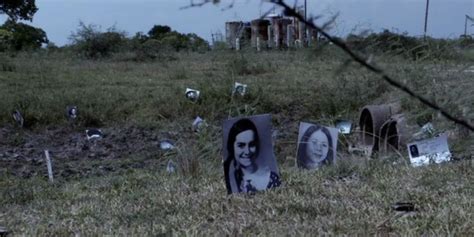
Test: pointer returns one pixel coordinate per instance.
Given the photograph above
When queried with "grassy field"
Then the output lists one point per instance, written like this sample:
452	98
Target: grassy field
119	185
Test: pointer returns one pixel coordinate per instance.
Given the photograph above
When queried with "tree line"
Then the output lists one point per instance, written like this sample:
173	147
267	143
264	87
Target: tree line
89	40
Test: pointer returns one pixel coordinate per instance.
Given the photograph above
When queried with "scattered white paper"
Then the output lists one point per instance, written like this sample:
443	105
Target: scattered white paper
166	145
94	134
170	167
198	124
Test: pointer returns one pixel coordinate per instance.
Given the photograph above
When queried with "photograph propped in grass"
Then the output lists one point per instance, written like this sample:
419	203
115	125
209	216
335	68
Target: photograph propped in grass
434	150
192	95
249	162
317	145
240	89
198	124
71	112
344	126
18	118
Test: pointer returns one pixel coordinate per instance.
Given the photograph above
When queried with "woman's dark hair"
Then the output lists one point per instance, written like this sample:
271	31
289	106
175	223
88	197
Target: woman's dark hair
302	158
238	127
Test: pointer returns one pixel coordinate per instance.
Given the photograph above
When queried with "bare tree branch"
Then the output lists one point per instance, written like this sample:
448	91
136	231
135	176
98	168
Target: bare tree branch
291	11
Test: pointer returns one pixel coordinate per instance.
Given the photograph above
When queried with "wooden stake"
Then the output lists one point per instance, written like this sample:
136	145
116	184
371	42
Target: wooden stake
50	167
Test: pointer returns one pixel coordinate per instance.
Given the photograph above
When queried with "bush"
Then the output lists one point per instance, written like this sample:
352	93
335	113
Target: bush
406	46
176	41
90	42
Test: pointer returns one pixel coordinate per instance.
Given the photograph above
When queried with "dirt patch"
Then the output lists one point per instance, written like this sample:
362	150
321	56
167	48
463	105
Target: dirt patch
22	151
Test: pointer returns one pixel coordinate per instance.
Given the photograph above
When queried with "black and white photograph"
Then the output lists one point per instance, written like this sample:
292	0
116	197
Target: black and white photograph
249	161
192	94
434	150
239	89
317	146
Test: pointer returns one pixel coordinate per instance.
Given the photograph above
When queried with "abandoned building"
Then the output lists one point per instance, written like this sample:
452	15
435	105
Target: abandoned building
271	32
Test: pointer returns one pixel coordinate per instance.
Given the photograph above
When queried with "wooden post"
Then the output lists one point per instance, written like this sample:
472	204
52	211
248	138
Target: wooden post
237	44
270	36
289	35
49	165
258	44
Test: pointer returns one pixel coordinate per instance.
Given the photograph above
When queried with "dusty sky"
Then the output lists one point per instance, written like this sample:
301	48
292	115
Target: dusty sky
60	17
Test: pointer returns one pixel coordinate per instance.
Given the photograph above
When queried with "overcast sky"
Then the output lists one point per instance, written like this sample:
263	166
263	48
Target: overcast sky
60	17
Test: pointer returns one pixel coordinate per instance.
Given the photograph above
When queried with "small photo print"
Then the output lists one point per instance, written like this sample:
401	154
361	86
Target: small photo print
249	161
434	150
317	146
344	126
240	89
192	95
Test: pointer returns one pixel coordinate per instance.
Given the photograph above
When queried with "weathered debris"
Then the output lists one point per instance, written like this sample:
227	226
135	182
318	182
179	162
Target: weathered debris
18	118
166	145
403	207
198	124
3	231
393	134
170	167
371	119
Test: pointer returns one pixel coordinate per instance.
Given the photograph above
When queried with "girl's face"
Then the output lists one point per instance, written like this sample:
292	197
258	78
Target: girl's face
245	148
317	147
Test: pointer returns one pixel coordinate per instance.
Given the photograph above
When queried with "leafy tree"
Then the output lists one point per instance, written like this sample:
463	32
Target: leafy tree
176	41
18	9
23	36
5	39
196	43
158	31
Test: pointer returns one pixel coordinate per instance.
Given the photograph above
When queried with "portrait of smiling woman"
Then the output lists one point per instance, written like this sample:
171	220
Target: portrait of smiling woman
249	163
316	146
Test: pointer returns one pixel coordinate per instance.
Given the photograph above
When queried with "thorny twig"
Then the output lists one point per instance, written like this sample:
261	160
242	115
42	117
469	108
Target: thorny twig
291	11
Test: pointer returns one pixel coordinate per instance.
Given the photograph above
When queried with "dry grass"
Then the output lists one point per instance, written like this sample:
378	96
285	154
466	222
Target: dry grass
353	197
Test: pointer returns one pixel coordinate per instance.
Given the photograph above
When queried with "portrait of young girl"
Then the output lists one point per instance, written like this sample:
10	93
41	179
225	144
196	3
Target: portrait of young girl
249	162
316	146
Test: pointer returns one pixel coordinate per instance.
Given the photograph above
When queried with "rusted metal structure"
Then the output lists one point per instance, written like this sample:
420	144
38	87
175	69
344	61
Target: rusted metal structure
273	32
280	27
232	32
259	30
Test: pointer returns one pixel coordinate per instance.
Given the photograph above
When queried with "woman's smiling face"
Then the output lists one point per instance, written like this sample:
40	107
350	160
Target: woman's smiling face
317	147
245	148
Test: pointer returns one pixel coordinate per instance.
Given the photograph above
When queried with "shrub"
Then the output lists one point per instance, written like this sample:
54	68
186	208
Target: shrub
90	42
